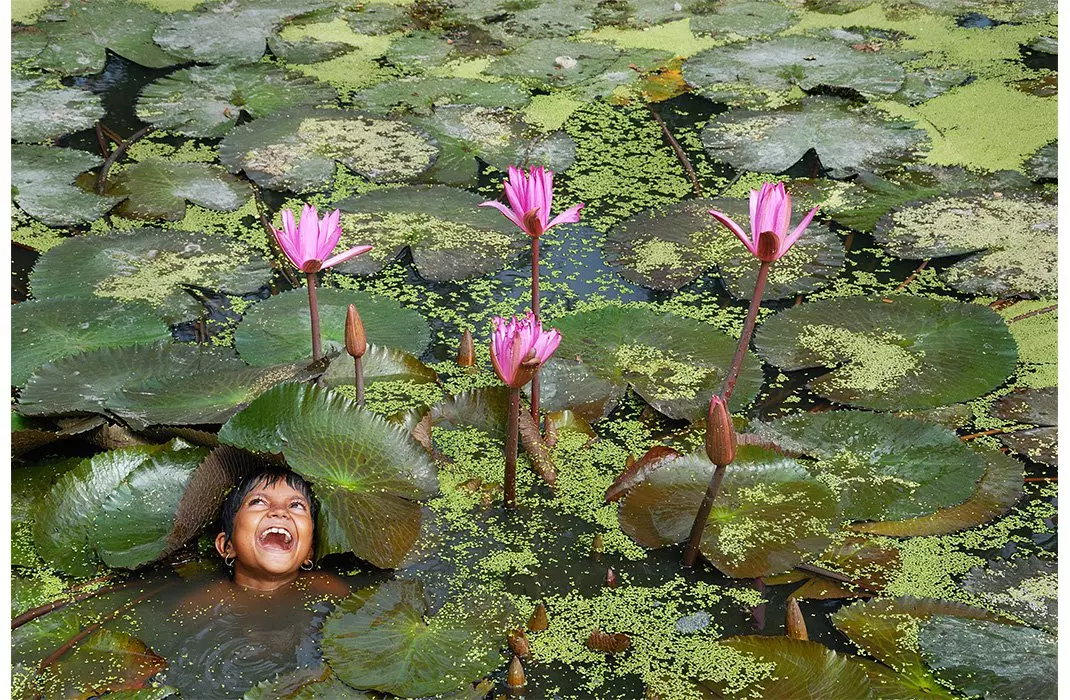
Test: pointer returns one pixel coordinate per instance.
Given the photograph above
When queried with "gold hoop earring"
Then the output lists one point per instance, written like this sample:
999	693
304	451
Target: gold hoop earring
310	565
229	561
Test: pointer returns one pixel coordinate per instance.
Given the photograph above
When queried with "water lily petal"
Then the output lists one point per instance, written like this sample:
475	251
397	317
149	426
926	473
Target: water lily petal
569	216
347	255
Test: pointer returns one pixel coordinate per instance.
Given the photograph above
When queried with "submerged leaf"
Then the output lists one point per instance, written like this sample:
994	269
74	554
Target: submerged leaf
105	663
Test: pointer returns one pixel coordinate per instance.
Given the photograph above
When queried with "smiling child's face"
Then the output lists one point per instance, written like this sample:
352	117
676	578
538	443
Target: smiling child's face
271	538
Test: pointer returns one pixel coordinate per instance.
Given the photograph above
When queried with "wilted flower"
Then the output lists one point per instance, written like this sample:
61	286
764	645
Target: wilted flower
519	346
307	245
770	213
530	196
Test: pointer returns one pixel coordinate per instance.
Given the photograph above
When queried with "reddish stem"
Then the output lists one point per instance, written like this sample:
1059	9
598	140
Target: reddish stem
512	433
748	331
691	551
535	310
358	371
314	315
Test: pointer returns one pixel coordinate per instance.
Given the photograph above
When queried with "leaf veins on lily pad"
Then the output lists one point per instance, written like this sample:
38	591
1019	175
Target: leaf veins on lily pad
297	150
42	180
896	354
1011	241
847	139
157	189
207	101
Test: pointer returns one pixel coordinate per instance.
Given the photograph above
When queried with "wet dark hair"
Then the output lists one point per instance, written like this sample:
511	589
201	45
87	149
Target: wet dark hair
267	477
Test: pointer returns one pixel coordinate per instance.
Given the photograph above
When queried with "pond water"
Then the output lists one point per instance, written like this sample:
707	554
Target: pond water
900	411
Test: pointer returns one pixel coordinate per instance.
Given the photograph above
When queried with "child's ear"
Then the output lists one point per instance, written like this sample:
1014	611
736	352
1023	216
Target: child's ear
222	546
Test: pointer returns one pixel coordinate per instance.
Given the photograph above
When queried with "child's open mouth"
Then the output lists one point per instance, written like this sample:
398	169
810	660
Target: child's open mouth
277	538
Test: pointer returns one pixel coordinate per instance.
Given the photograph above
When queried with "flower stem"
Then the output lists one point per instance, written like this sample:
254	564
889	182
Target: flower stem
358	372
314	314
691	551
535	310
512	433
748	331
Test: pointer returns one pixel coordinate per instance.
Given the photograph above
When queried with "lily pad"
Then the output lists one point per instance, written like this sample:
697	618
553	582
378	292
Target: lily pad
554	18
39	113
148	265
997	491
368	474
792	668
674	363
380	364
79	33
757	72
297	150
847	139
867	562
28	484
305	684
106	663
999	662
384	638
306	50
769	515
421	94
1024	588
1042	165
1041	408
739	18
228	32
895	354
449	235
881	466
41	183
276	330
158	189
46	330
207	101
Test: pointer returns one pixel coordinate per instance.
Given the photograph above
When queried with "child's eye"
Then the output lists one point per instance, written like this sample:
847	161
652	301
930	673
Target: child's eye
298	504
255	500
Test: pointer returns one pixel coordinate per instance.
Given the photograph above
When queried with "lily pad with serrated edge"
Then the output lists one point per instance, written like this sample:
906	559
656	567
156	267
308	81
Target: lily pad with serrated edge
847	139
148	265
1026	589
791	668
384	638
107	662
206	101
674	363
227	32
882	467
1012	241
1037	406
380	364
297	150
757	72
42	114
306	684
897	353
989	659
41	183
78	35
46	330
369	475
276	330
157	189
420	94
997	491
451	237
83	383
769	515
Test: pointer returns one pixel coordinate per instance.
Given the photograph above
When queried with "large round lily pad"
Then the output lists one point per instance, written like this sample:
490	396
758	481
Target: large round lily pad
768	516
158	189
674	363
52	328
1025	588
1012	241
1041	408
41	183
277	329
383	638
881	466
368	474
297	150
760	71
450	236
847	139
379	364
148	265
892	354
207	101
39	113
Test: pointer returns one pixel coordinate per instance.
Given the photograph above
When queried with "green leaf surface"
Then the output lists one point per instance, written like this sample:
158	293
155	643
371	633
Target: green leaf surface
1042	165
106	661
306	50
384	639
892	354
28	484
39	113
422	94
1041	408
41	183
737	18
42	331
674	363
276	330
304	684
379	364
157	189
1026	589
206	101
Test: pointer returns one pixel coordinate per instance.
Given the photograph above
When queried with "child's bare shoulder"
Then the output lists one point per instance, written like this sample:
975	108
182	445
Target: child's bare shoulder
325	583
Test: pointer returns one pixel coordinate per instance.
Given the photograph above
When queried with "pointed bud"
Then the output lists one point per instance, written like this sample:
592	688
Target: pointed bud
796	625
538	621
720	435
598	545
768	246
611	578
466	353
518	642
356	341
517	679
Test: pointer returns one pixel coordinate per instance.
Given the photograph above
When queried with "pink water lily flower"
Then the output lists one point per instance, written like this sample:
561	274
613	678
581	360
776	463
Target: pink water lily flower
530	196
519	346
770	212
307	245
